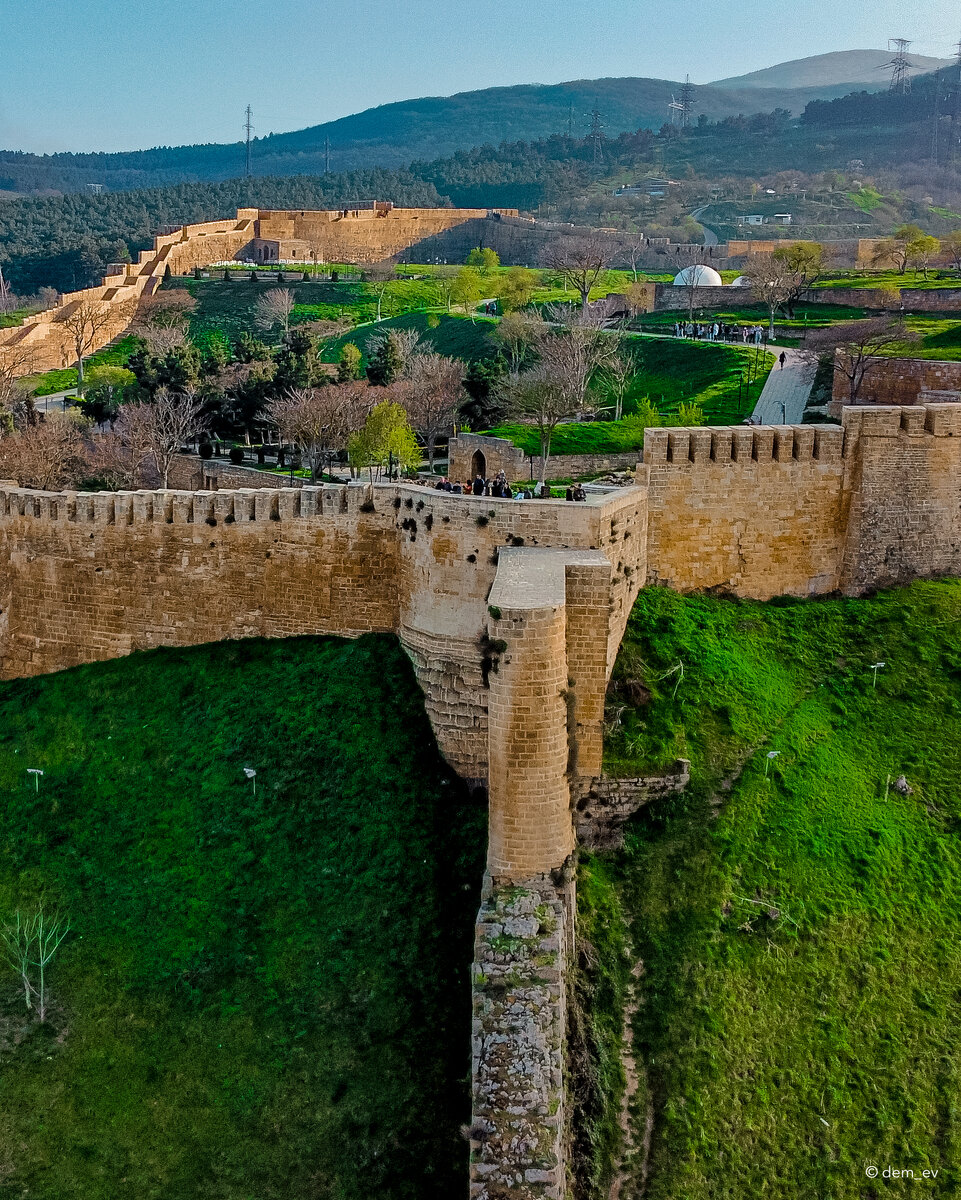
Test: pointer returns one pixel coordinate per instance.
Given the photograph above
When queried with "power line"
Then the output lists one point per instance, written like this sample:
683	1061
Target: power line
248	127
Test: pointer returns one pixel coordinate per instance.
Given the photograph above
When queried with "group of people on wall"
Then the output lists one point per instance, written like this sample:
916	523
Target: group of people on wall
498	488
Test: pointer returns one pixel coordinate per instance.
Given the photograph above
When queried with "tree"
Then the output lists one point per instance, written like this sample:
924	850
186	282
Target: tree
689	260
48	455
572	351
275	308
542	397
379	277
804	264
907	243
952	244
484	258
635	249
104	390
163	319
348	365
519	333
579	261
319	420
15	362
615	379
516	289
386	441
921	250
89	323
433	395
385	360
863	345
772	284
466	289
30	943
160	428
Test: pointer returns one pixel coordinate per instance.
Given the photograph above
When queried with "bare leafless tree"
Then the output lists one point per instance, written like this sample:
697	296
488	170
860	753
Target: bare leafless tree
379	276
579	260
685	261
862	344
275	308
615	375
574	347
90	322
163	319
48	455
520	332
544	399
772	284
434	392
15	363
320	420
155	431
634	251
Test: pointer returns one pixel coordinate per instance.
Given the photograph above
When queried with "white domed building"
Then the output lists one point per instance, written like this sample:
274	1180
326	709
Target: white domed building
698	276
741	281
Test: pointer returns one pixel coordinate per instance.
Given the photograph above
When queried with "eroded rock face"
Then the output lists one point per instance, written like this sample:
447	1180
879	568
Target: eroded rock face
517	1133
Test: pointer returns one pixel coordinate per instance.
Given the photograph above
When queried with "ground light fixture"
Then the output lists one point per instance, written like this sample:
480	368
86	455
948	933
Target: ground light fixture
252	776
36	773
875	667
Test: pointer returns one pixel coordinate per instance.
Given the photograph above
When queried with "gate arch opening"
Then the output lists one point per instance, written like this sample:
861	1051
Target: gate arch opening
478	465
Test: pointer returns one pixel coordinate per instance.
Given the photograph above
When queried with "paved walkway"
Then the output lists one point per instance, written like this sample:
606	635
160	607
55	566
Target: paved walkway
786	392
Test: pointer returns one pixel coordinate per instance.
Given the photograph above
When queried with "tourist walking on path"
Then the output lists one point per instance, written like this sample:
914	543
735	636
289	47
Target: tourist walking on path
782	359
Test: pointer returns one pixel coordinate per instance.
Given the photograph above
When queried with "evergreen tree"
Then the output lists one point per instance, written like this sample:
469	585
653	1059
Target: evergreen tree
386	363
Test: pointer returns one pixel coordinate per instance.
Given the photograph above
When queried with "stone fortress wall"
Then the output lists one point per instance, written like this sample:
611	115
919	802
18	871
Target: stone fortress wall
512	613
362	235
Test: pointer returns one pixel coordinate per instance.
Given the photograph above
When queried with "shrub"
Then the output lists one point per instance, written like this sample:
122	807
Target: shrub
236	455
206	450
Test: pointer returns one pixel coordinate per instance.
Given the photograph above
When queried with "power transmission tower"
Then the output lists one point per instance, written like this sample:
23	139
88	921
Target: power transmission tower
687	102
248	128
900	65
596	135
674	108
4	292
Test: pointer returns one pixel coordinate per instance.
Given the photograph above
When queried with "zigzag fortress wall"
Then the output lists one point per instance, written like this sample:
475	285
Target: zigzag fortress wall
363	235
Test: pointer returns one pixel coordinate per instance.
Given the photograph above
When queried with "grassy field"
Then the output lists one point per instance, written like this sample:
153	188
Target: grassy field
453	335
262	995
670	373
798	918
936	278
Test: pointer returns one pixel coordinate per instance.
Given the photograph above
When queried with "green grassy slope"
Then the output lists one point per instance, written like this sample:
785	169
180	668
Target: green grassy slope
801	933
261	996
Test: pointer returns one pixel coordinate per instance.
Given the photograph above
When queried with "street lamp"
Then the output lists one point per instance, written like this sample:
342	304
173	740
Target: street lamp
772	755
252	776
36	773
875	667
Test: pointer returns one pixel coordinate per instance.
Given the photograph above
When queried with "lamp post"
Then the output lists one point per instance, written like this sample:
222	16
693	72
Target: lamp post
36	773
772	755
252	776
875	667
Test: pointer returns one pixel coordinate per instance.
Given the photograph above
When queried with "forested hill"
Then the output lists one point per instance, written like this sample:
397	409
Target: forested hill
396	134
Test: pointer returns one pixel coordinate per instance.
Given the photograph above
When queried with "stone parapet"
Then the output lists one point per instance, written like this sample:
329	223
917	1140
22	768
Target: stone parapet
606	804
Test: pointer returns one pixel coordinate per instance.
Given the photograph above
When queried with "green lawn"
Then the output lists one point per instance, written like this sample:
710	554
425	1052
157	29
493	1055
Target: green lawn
262	996
454	335
940	339
800	933
937	277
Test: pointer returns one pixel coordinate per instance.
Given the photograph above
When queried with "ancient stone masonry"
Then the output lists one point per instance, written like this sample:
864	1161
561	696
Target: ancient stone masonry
606	805
369	234
512	614
897	381
518	1126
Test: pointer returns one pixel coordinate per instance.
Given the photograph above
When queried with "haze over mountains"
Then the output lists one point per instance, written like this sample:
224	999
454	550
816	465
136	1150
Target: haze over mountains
393	135
840	68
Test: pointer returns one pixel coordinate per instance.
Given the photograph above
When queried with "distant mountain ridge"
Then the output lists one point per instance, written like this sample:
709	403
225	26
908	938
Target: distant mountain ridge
848	68
394	135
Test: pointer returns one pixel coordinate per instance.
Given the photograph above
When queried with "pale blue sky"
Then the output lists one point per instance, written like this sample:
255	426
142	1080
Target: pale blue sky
127	74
